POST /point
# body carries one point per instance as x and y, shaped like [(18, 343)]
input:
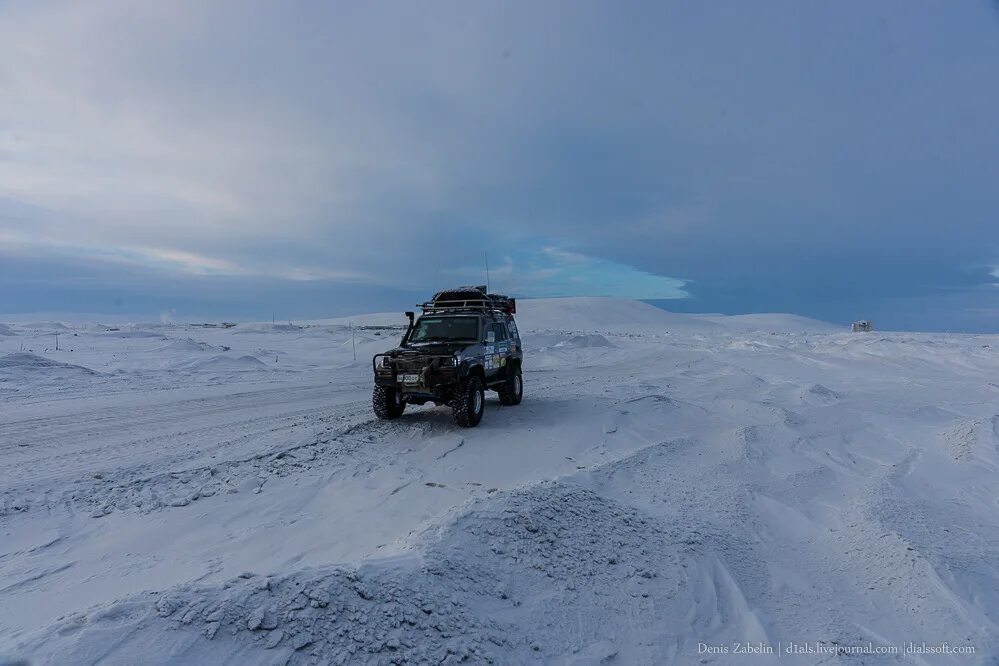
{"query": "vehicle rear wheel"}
[(512, 391), (387, 402), (469, 403)]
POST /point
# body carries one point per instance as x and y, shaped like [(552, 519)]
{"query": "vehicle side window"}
[(500, 330), (512, 327)]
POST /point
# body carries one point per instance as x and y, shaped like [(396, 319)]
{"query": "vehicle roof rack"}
[(469, 299)]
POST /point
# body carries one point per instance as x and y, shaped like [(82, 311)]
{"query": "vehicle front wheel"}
[(387, 402), (469, 402), (512, 391)]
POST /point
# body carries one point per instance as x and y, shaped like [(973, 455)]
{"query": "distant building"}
[(862, 326)]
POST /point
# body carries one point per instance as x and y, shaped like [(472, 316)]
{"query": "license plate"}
[(410, 379)]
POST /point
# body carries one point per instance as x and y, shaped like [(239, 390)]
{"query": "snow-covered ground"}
[(672, 485)]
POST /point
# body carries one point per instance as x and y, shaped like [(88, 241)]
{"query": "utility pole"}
[(352, 346)]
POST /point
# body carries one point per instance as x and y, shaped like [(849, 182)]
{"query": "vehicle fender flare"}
[(476, 369)]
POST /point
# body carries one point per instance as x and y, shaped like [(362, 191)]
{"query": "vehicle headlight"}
[(386, 361), (451, 362)]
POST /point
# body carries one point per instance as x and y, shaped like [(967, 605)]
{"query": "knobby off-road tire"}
[(386, 403), (512, 392), (469, 402)]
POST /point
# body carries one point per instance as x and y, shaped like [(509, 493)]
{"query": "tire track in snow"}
[(44, 482)]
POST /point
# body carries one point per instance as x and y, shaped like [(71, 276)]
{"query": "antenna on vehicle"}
[(487, 272)]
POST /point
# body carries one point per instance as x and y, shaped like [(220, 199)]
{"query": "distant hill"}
[(771, 322), (616, 315), (619, 315)]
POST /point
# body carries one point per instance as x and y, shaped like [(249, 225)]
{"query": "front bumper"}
[(423, 375)]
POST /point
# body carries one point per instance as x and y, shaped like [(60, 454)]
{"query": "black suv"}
[(465, 342)]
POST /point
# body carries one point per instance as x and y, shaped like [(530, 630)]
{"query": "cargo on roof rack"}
[(469, 298)]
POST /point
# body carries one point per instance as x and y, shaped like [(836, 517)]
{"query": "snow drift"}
[(28, 364)]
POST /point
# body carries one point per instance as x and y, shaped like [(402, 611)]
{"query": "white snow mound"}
[(549, 557), (585, 340), (27, 363)]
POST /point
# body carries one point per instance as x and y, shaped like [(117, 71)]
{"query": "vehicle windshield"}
[(445, 329)]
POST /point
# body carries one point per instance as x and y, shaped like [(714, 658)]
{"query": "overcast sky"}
[(835, 159)]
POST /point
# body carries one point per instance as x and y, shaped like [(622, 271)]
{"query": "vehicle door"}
[(497, 349)]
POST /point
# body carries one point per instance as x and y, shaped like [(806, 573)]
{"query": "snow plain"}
[(672, 485)]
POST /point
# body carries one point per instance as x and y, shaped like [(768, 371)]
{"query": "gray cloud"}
[(766, 153)]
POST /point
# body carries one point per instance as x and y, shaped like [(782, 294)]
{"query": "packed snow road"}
[(53, 442), (671, 489)]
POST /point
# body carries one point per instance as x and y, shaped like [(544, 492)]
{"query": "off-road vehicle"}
[(465, 342)]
